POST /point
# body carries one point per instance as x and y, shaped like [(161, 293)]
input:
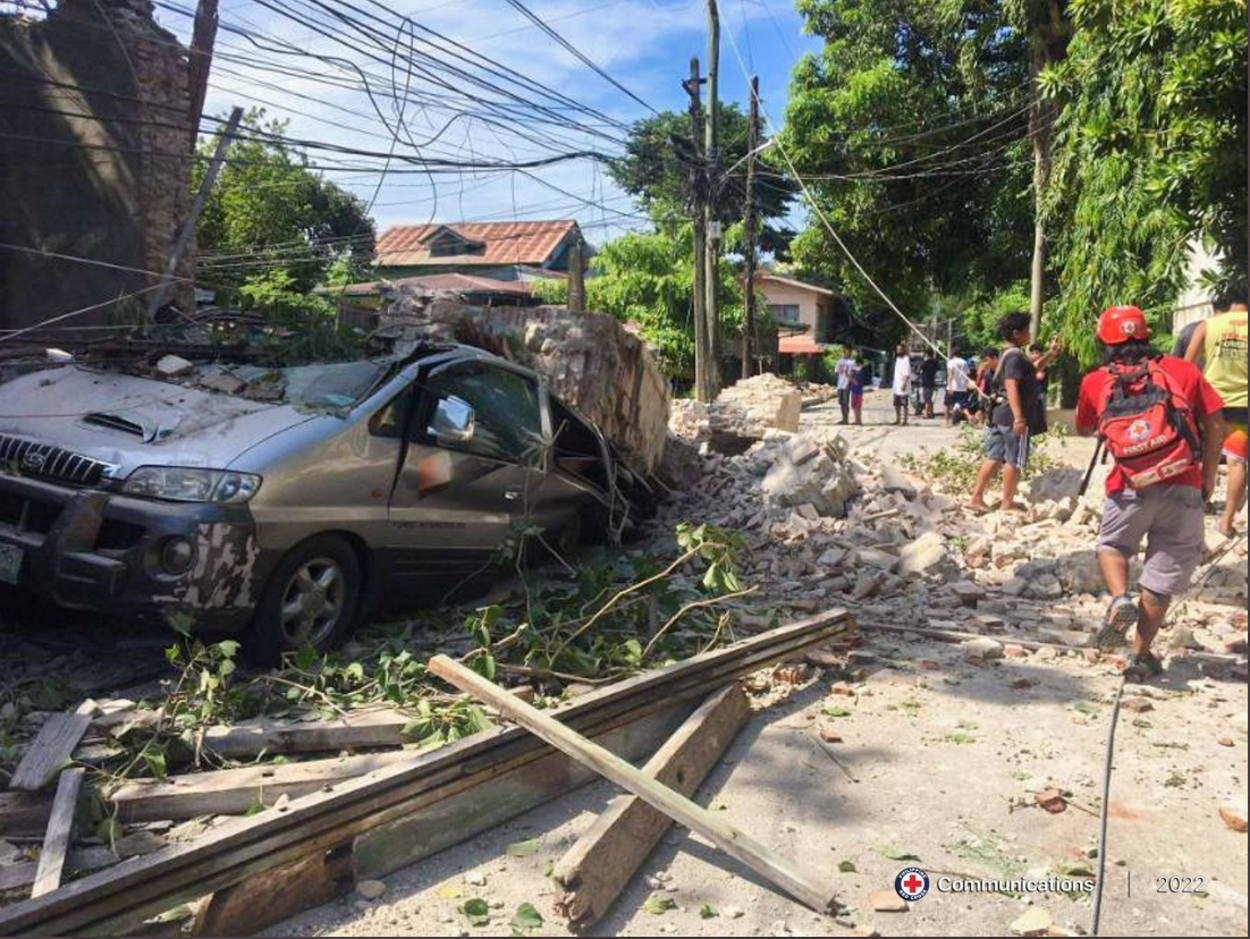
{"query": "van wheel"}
[(311, 600)]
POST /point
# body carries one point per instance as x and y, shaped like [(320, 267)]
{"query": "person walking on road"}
[(956, 386), (1221, 341), (1163, 424), (1011, 416), (843, 372), (928, 382), (901, 383)]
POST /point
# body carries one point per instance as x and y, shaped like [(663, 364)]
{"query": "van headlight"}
[(191, 484)]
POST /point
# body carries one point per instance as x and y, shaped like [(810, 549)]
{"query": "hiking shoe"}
[(1142, 667), (1120, 616)]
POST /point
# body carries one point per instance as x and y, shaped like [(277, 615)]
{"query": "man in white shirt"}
[(843, 371), (902, 383), (956, 385)]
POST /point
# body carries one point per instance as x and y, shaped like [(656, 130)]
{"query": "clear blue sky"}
[(644, 44)]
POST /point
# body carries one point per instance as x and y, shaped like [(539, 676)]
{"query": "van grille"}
[(44, 461)]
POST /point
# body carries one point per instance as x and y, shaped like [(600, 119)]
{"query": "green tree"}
[(1149, 155), (656, 171), (911, 128), (647, 278), (270, 211)]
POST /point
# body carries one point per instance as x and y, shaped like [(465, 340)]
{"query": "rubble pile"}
[(754, 405), (827, 525), (589, 359)]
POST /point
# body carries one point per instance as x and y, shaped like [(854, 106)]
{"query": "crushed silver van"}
[(287, 502)]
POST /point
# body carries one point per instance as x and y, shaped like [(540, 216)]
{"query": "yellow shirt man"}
[(1222, 340)]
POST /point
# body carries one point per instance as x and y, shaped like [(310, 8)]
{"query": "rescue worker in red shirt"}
[(1167, 513)]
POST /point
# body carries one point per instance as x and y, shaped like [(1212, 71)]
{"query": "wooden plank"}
[(737, 844), (16, 879), (24, 814), (60, 827), (50, 751), (600, 865), (234, 791), (355, 730), (114, 900)]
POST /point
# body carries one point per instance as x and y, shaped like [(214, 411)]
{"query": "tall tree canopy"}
[(1149, 154), (268, 211), (656, 171), (911, 129)]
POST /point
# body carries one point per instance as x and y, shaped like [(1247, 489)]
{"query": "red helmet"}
[(1121, 323)]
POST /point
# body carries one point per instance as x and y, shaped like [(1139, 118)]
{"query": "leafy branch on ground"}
[(610, 617)]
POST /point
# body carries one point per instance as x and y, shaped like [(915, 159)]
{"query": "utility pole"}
[(577, 277), (188, 229), (753, 141), (698, 191), (711, 154)]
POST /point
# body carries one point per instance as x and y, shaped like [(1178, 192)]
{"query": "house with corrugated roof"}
[(502, 251)]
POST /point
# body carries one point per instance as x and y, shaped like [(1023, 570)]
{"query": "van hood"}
[(127, 421)]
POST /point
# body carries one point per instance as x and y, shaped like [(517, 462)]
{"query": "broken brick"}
[(1051, 800), (1234, 816)]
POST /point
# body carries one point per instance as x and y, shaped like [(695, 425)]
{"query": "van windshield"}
[(335, 384)]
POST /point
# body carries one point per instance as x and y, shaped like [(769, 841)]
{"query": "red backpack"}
[(1148, 424)]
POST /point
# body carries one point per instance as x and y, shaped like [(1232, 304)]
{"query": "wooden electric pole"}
[(711, 153), (577, 276), (753, 142), (698, 192)]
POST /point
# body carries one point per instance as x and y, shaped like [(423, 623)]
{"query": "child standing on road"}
[(859, 379)]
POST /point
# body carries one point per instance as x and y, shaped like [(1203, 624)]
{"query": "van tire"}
[(322, 576)]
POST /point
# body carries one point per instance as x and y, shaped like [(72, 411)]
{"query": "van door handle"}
[(512, 494)]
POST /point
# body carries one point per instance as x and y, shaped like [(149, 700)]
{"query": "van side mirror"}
[(452, 421)]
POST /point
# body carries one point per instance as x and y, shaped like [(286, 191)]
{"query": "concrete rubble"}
[(831, 524)]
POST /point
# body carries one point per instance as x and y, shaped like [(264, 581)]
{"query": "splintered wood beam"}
[(50, 751), (737, 844), (60, 826), (600, 865)]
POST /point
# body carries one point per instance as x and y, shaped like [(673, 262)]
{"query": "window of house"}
[(784, 312), (507, 422)]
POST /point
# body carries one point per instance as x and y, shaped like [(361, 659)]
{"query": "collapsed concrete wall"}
[(589, 359), (95, 157)]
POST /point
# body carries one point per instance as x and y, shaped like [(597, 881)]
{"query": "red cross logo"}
[(913, 883)]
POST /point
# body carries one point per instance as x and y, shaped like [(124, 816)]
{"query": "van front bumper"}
[(97, 550)]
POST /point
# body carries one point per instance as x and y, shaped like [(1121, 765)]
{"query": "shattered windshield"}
[(333, 385)]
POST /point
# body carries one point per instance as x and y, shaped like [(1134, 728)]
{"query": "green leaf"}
[(658, 904), (477, 912), (526, 917), (254, 807), (306, 658), (836, 712), (526, 848), (895, 854), (156, 762), (847, 867), (707, 911), (484, 665)]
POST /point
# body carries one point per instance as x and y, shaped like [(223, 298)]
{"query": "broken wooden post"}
[(60, 827), (737, 844), (602, 862)]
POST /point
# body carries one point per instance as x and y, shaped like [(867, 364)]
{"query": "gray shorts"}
[(1003, 445), (1170, 519)]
